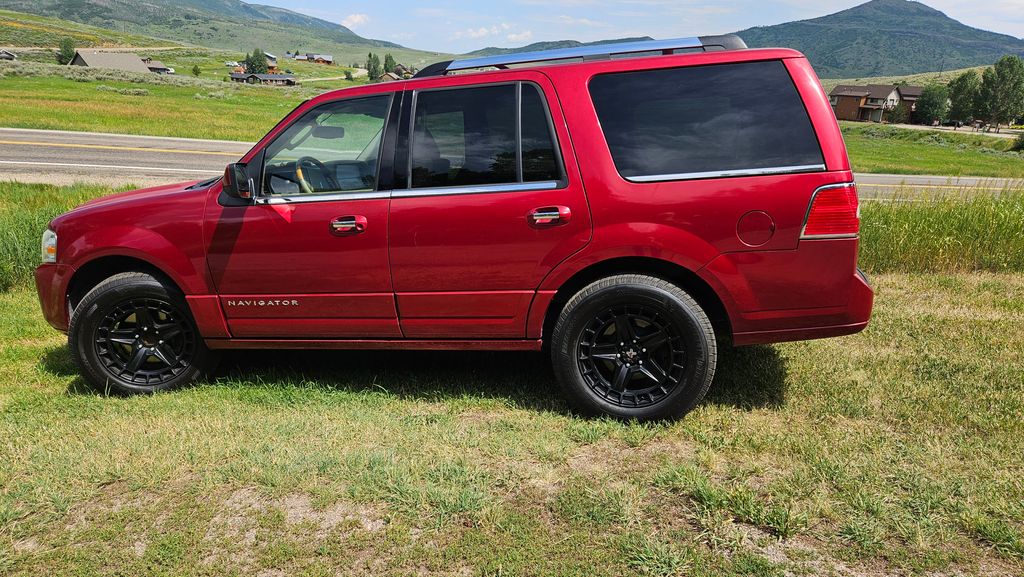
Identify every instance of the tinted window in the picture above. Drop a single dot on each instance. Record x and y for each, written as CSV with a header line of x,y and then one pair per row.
x,y
467,136
539,160
332,148
729,117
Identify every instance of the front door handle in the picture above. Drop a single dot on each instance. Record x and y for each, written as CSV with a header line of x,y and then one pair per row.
x,y
549,216
348,225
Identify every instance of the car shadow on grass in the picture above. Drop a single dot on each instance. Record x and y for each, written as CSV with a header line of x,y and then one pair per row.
x,y
747,377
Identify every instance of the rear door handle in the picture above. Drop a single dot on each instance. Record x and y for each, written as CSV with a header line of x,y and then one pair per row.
x,y
348,225
549,216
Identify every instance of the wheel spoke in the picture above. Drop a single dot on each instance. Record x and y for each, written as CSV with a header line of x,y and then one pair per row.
x,y
652,371
122,336
142,317
168,330
605,352
165,354
624,328
654,340
137,359
622,376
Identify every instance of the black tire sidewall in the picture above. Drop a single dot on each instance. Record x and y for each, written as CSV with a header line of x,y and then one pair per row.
x,y
683,316
98,303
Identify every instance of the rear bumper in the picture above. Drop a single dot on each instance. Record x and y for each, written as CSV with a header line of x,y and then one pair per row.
x,y
815,323
50,282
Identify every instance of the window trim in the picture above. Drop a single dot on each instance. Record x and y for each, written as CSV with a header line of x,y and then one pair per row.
x,y
516,186
331,195
714,174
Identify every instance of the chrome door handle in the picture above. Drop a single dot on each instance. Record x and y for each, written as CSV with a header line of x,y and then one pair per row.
x,y
348,225
549,216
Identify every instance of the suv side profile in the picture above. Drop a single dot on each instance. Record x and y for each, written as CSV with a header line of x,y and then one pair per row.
x,y
631,206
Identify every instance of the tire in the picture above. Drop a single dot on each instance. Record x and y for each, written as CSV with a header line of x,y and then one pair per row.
x,y
633,347
118,324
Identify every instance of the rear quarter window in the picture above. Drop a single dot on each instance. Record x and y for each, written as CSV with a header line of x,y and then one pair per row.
x,y
705,121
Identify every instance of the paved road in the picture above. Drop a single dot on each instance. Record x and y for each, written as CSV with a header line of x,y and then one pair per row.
x,y
64,157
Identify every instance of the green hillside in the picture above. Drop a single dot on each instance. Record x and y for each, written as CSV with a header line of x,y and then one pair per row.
x,y
20,29
921,79
224,24
886,38
552,45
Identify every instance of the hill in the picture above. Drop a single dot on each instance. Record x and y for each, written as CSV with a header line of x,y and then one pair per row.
x,y
225,24
920,79
886,38
551,45
20,29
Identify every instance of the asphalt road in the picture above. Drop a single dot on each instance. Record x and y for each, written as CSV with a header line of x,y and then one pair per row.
x,y
58,157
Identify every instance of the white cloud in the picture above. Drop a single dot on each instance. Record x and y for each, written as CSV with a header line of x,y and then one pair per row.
x,y
521,37
483,31
570,21
355,20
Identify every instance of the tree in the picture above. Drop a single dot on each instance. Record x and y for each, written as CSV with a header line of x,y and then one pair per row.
x,y
963,96
373,67
256,63
1001,97
933,104
196,71
900,114
389,63
66,53
348,75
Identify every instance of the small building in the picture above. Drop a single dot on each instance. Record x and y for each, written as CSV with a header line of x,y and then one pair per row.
x,y
909,96
126,61
269,79
402,71
388,77
869,103
157,66
7,55
320,58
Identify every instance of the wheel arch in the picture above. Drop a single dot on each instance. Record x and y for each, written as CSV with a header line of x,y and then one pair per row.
x,y
88,275
684,278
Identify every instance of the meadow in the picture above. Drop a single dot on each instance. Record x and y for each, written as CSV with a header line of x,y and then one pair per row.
x,y
894,451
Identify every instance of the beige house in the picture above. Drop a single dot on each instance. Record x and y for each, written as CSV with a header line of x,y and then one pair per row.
x,y
114,60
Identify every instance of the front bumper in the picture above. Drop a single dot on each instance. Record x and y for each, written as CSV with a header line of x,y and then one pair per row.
x,y
51,280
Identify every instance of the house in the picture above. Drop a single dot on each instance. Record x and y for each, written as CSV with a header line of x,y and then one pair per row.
x,y
157,66
7,55
321,58
388,77
867,103
402,71
270,79
114,60
909,96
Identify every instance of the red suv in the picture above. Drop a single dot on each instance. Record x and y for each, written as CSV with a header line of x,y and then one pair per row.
x,y
630,205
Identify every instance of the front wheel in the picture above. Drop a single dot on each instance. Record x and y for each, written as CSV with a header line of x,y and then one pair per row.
x,y
634,347
133,333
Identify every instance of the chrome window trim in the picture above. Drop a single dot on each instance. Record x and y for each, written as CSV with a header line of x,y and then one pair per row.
x,y
727,173
803,227
477,189
323,197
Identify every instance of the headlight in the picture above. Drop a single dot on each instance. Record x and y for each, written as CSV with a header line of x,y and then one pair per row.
x,y
49,246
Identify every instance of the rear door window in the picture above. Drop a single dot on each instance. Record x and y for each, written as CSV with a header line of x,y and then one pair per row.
x,y
480,136
705,121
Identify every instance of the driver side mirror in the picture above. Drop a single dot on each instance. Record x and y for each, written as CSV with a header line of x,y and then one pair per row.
x,y
237,183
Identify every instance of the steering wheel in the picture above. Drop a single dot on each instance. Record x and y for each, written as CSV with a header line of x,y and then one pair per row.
x,y
304,184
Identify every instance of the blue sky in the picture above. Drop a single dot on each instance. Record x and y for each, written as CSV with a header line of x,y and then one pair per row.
x,y
464,25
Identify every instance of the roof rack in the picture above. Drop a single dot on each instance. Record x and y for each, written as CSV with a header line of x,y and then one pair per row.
x,y
591,52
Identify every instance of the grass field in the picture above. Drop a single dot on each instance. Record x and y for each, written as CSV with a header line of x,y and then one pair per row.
x,y
890,150
893,451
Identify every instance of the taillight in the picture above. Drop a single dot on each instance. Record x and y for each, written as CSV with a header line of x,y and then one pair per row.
x,y
834,213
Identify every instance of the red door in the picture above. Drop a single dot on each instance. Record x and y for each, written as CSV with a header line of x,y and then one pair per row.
x,y
309,259
481,220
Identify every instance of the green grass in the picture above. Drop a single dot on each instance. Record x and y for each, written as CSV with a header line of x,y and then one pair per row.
x,y
890,150
922,79
896,450
20,29
944,233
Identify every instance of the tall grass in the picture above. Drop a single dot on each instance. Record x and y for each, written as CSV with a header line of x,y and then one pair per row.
x,y
25,210
912,233
947,233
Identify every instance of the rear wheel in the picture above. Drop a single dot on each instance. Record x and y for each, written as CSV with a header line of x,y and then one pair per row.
x,y
133,333
634,347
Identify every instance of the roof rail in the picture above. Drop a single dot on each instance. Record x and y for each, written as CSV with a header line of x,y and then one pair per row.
x,y
594,51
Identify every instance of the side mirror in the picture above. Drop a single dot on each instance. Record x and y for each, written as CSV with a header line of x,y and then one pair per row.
x,y
237,183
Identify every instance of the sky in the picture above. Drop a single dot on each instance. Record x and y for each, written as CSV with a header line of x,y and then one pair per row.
x,y
458,26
